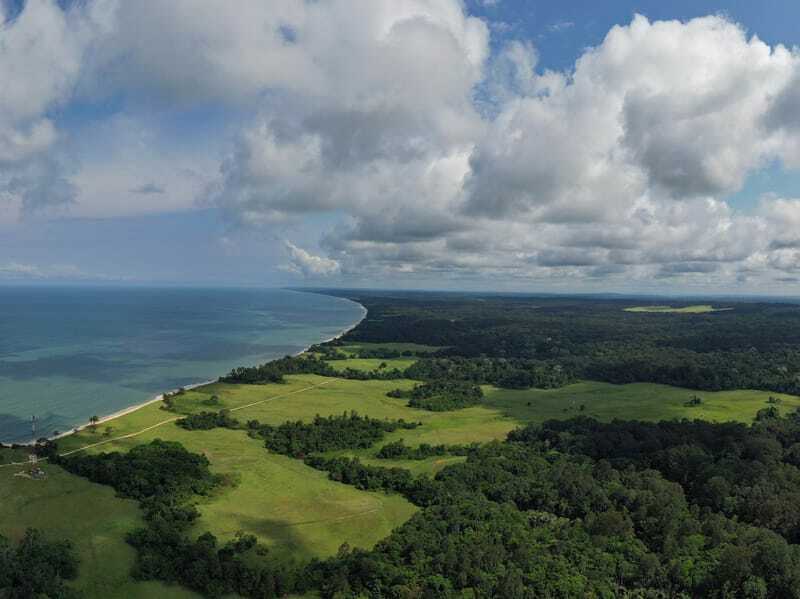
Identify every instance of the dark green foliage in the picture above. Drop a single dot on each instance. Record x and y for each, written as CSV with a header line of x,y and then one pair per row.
x,y
273,372
204,566
348,431
693,401
750,473
752,346
510,373
519,520
208,420
36,567
398,450
441,395
420,490
156,470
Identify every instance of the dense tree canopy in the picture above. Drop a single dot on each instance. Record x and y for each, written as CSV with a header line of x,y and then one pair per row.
x,y
752,345
441,395
348,431
37,567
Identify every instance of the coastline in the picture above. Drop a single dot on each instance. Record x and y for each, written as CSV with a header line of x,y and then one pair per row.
x,y
160,396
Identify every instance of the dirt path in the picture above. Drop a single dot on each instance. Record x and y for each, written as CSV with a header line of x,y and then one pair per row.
x,y
167,421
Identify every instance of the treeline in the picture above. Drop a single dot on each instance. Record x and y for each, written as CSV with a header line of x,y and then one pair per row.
x,y
509,373
752,345
274,372
347,431
712,371
420,489
37,567
398,450
208,421
441,395
165,479
577,509
331,351
748,473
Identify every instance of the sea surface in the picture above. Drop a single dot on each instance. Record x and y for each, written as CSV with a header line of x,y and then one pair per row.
x,y
68,353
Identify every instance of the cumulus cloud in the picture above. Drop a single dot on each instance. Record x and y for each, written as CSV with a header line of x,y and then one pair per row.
x,y
41,54
438,153
309,265
622,164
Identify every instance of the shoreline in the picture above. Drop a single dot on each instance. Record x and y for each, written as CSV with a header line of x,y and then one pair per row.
x,y
160,396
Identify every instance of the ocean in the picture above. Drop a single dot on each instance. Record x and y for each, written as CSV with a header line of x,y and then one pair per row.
x,y
68,353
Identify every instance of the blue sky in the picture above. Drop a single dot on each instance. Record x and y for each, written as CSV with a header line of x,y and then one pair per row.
x,y
423,144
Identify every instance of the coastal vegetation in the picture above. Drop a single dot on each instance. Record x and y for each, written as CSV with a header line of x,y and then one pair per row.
x,y
323,472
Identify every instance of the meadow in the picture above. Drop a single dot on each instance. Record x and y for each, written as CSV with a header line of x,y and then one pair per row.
x,y
293,509
91,516
698,309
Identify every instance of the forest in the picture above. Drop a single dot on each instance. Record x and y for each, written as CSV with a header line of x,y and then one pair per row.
x,y
37,567
522,341
579,508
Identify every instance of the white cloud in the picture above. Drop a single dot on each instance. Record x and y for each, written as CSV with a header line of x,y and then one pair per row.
x,y
309,265
41,54
622,163
438,158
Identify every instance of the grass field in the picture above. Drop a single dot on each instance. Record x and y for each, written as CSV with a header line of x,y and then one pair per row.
x,y
289,506
369,364
292,508
66,506
698,309
637,401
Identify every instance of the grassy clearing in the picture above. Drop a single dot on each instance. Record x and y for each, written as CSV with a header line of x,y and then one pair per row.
x,y
67,506
698,309
637,401
289,506
370,364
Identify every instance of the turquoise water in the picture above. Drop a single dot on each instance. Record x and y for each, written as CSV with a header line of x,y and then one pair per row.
x,y
67,353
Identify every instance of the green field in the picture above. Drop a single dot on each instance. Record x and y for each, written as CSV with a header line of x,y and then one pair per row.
x,y
370,364
636,401
90,515
698,309
290,507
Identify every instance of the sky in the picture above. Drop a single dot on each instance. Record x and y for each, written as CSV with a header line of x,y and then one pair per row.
x,y
522,145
